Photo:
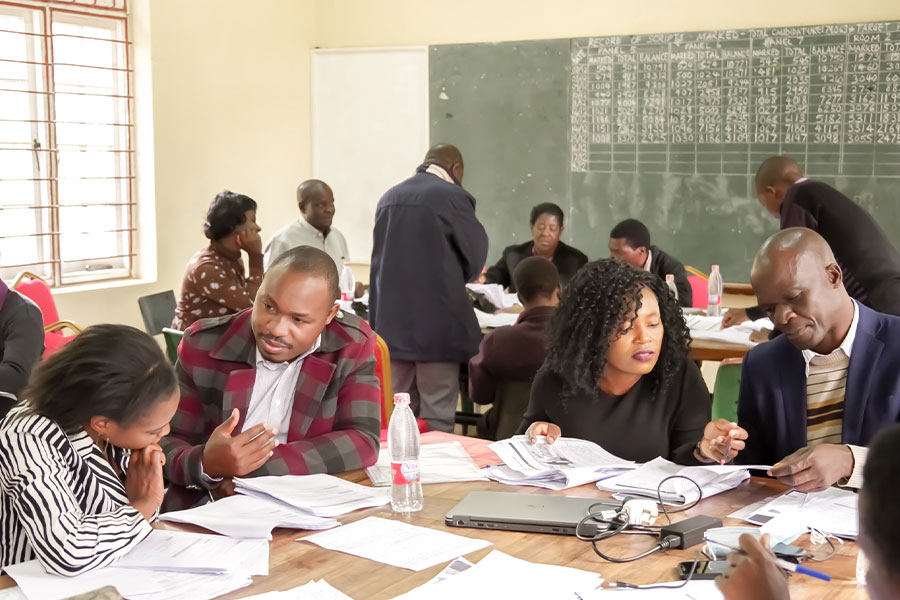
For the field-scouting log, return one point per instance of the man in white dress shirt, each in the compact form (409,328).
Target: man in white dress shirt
(313,228)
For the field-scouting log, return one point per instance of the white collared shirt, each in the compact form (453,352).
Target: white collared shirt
(273,392)
(649,260)
(846,345)
(301,233)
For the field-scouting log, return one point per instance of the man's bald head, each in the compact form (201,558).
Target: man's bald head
(316,202)
(773,178)
(799,283)
(448,157)
(309,261)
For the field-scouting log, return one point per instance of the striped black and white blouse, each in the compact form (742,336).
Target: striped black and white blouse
(60,499)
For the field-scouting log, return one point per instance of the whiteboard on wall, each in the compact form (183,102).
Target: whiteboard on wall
(369,130)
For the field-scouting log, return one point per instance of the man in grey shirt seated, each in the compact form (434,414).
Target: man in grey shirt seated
(313,228)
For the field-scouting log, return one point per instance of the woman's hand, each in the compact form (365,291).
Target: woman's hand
(753,575)
(543,428)
(249,241)
(144,484)
(722,440)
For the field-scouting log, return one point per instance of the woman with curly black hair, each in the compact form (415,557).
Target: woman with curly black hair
(214,282)
(618,372)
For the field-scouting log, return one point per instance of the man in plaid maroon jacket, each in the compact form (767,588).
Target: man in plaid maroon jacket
(285,388)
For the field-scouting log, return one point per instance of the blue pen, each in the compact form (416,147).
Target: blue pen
(787,566)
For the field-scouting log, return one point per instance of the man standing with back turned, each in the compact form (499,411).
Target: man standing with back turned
(428,244)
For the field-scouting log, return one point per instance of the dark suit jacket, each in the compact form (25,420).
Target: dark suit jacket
(772,404)
(566,258)
(21,344)
(662,264)
(428,244)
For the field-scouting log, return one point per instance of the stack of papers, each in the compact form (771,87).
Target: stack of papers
(438,463)
(249,517)
(833,511)
(184,552)
(314,590)
(567,462)
(710,328)
(499,319)
(645,480)
(495,294)
(500,575)
(319,495)
(396,543)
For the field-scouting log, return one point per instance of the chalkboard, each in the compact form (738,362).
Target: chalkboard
(670,129)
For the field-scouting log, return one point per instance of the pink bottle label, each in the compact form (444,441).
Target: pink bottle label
(405,473)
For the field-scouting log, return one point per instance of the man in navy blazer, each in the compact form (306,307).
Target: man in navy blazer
(797,280)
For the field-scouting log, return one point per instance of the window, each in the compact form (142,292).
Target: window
(66,182)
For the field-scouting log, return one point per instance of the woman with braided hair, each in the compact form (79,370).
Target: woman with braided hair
(618,373)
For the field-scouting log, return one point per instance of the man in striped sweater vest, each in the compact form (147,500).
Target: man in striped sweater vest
(812,399)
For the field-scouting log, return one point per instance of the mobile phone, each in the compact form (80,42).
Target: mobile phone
(705,569)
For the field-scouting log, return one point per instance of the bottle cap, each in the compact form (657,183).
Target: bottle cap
(715,267)
(670,277)
(401,398)
(347,263)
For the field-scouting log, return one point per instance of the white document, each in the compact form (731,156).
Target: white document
(694,590)
(499,575)
(314,590)
(494,293)
(438,463)
(710,328)
(567,462)
(645,480)
(13,593)
(396,543)
(185,552)
(491,321)
(191,586)
(833,511)
(320,495)
(248,517)
(38,584)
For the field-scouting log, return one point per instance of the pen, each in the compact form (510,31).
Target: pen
(787,566)
(728,447)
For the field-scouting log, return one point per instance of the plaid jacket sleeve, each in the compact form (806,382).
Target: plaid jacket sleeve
(344,429)
(195,420)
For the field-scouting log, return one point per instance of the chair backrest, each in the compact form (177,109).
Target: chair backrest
(510,402)
(157,310)
(727,389)
(699,291)
(173,338)
(35,288)
(383,372)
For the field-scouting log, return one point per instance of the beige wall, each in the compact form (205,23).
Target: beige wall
(360,23)
(230,82)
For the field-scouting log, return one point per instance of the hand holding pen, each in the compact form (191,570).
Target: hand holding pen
(722,441)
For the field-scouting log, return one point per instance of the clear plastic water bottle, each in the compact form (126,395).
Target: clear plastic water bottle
(403,446)
(714,309)
(347,283)
(670,283)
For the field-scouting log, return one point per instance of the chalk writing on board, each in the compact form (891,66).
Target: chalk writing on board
(716,102)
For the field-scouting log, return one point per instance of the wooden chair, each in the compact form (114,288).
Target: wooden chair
(37,290)
(157,310)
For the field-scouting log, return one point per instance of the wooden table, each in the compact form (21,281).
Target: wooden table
(716,351)
(294,563)
(741,289)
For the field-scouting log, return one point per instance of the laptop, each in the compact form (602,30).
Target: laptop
(532,513)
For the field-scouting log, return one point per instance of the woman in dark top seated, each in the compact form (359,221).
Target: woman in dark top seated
(618,373)
(546,228)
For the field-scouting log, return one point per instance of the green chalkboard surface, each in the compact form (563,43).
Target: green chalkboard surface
(669,129)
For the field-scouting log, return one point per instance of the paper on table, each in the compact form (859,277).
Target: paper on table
(396,543)
(500,575)
(834,511)
(645,480)
(490,321)
(492,291)
(694,590)
(193,586)
(438,463)
(321,495)
(314,590)
(38,584)
(567,462)
(13,593)
(241,516)
(185,552)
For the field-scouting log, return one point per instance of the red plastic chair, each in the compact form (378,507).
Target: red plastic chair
(699,287)
(37,290)
(383,373)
